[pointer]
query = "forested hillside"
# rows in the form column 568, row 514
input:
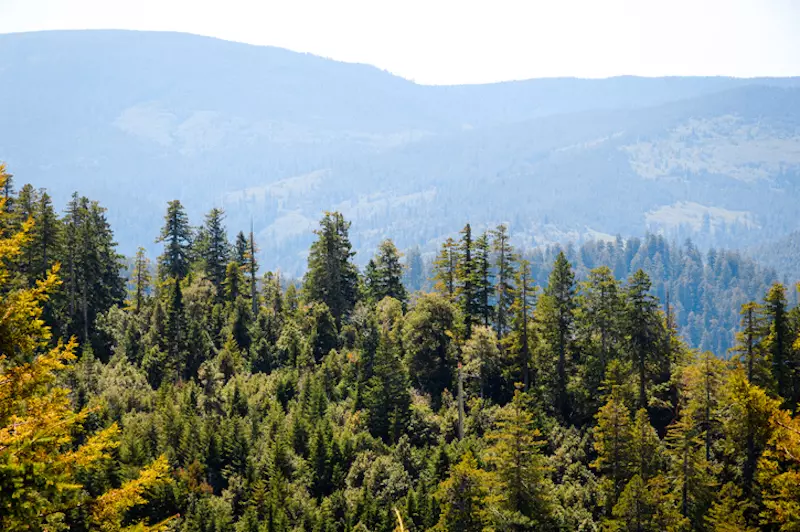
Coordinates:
column 203, row 393
column 276, row 138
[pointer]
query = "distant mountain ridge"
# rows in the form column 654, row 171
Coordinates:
column 135, row 119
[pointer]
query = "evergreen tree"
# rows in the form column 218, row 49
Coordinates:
column 214, row 249
column 613, row 443
column 504, row 289
column 141, row 280
column 463, row 498
column 47, row 237
column 177, row 236
column 482, row 361
column 556, row 314
column 240, row 248
column 252, row 270
column 93, row 265
column 483, row 282
column 642, row 325
column 42, row 460
column 384, row 274
column 386, row 398
column 746, row 425
column 519, row 468
column 414, row 277
column 444, row 269
column 602, row 304
column 332, row 278
column 778, row 343
column 749, row 344
column 522, row 335
column 466, row 289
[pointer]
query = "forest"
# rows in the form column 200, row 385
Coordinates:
column 514, row 390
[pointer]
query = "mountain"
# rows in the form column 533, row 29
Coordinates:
column 135, row 119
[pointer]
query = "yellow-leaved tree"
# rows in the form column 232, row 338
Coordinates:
column 39, row 459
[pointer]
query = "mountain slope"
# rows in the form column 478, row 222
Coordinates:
column 137, row 118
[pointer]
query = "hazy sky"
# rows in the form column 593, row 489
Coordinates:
column 466, row 41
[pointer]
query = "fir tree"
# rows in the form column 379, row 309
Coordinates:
column 504, row 289
column 214, row 249
column 177, row 236
column 642, row 328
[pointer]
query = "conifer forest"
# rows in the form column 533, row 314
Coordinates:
column 629, row 385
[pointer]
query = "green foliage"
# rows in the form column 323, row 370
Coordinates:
column 332, row 278
column 583, row 409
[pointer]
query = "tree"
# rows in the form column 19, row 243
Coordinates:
column 778, row 343
column 601, row 306
column 746, row 424
column 93, row 265
column 556, row 314
column 384, row 277
column 520, row 475
column 141, row 279
column 415, row 270
column 483, row 281
column 749, row 344
column 518, row 342
column 612, row 442
column 444, row 269
column 642, row 326
column 688, row 462
column 428, row 332
column 466, row 289
column 482, row 361
column 233, row 286
column 39, row 459
column 47, row 236
column 332, row 278
column 646, row 506
column 177, row 236
column 386, row 398
column 779, row 473
column 240, row 247
column 464, row 498
column 504, row 289
column 214, row 249
column 252, row 270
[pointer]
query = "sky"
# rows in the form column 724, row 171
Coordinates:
column 468, row 41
